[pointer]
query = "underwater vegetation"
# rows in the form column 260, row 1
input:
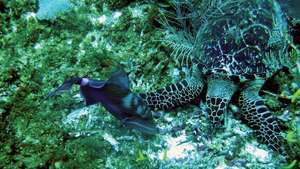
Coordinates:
column 40, row 50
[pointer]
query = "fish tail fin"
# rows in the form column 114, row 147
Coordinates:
column 142, row 125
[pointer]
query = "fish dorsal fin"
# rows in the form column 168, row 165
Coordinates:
column 119, row 78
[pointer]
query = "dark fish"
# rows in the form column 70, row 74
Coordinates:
column 115, row 95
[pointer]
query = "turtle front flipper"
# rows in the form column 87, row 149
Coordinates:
column 219, row 93
column 257, row 116
column 174, row 95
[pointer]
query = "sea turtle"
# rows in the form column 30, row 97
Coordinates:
column 235, row 46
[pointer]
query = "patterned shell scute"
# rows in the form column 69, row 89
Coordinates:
column 236, row 37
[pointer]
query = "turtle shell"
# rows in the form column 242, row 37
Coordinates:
column 242, row 38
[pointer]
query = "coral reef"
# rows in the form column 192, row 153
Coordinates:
column 90, row 40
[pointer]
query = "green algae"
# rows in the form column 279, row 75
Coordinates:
column 40, row 55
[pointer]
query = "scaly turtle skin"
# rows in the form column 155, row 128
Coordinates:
column 238, row 45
